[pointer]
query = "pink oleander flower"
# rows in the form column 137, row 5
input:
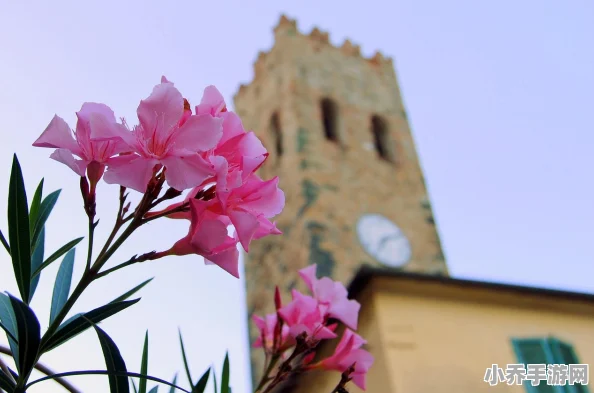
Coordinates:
column 248, row 207
column 208, row 237
column 267, row 326
column 332, row 297
column 92, row 117
column 302, row 314
column 349, row 352
column 167, row 135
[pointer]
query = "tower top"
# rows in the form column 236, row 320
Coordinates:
column 320, row 40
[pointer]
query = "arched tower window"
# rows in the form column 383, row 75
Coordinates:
column 277, row 137
column 381, row 138
column 330, row 119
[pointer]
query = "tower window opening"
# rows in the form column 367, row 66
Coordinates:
column 381, row 138
column 277, row 136
column 330, row 119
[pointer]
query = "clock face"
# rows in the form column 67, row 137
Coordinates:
column 383, row 240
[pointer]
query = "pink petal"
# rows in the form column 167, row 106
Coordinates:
column 130, row 171
column 199, row 133
column 232, row 127
column 212, row 102
column 65, row 157
column 209, row 234
column 185, row 172
column 58, row 135
column 227, row 260
column 308, row 275
column 161, row 111
column 246, row 225
column 359, row 379
column 346, row 311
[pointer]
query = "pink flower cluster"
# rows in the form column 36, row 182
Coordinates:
column 206, row 151
column 312, row 316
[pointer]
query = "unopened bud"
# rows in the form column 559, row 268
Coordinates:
column 277, row 298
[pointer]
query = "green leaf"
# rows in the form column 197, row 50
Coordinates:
column 144, row 365
column 9, row 323
column 28, row 334
column 131, row 291
column 154, row 390
column 61, row 251
column 103, row 372
column 6, row 383
column 172, row 389
column 133, row 385
column 35, row 204
column 18, row 229
column 214, row 379
column 80, row 322
column 4, row 242
column 113, row 362
column 36, row 262
column 185, row 359
column 225, row 375
column 201, row 385
column 47, row 205
column 62, row 284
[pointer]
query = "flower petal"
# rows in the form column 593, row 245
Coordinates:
column 65, row 157
column 59, row 136
column 198, row 134
column 227, row 260
column 130, row 171
column 161, row 111
column 246, row 226
column 212, row 102
column 185, row 172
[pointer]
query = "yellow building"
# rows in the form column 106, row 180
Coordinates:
column 340, row 142
column 440, row 335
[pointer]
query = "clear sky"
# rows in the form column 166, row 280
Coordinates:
column 499, row 94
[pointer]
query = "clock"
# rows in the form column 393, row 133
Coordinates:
column 383, row 240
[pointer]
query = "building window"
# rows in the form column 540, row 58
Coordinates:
column 549, row 351
column 381, row 138
column 277, row 136
column 330, row 119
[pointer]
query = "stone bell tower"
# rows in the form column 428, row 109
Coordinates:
column 338, row 136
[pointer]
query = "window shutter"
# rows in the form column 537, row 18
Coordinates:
column 534, row 351
column 564, row 354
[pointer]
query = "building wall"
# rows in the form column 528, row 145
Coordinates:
column 329, row 185
column 434, row 338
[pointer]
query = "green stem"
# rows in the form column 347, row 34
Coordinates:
column 104, row 273
column 265, row 377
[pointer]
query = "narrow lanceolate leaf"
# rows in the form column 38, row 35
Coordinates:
column 144, row 365
column 36, row 261
column 172, row 389
column 35, row 203
column 4, row 242
column 225, row 375
column 46, row 207
column 9, row 322
column 6, row 382
column 113, row 362
column 133, row 385
column 201, row 385
column 62, row 284
column 131, row 291
column 154, row 390
column 80, row 322
column 54, row 257
column 102, row 372
column 18, row 229
column 29, row 335
column 185, row 359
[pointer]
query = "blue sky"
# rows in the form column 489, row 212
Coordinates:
column 499, row 95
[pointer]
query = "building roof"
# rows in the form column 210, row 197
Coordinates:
column 367, row 273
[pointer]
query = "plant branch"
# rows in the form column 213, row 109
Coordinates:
column 43, row 369
column 91, row 239
column 181, row 208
